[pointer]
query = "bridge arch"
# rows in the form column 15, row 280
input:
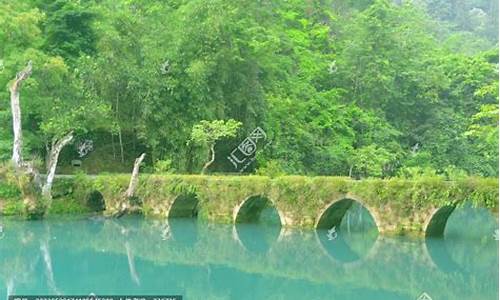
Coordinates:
column 184, row 206
column 436, row 222
column 252, row 237
column 95, row 201
column 449, row 226
column 345, row 247
column 251, row 208
column 333, row 213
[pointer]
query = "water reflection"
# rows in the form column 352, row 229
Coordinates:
column 354, row 230
column 258, row 225
column 131, row 264
column 437, row 249
column 349, row 247
column 255, row 237
column 47, row 259
column 184, row 232
column 204, row 261
column 468, row 233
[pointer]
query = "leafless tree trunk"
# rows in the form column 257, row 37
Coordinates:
column 113, row 145
column 135, row 176
column 119, row 127
column 121, row 144
column 17, row 147
column 134, row 179
column 212, row 159
column 57, row 146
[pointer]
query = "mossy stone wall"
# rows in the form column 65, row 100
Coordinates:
column 397, row 205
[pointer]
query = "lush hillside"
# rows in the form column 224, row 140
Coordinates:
column 359, row 88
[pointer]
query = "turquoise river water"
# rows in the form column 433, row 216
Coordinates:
column 136, row 256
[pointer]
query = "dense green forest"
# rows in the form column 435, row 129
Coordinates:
column 349, row 87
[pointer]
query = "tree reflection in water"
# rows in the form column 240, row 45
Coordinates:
column 204, row 261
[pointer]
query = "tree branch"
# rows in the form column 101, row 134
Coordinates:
column 212, row 158
column 57, row 146
column 22, row 75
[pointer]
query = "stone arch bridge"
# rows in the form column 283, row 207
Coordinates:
column 398, row 206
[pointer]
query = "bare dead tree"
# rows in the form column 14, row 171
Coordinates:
column 55, row 150
column 135, row 177
column 134, row 180
column 15, row 88
column 17, row 147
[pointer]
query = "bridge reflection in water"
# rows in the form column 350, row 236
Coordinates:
column 205, row 261
column 355, row 231
column 257, row 224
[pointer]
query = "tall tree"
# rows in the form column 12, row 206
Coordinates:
column 208, row 133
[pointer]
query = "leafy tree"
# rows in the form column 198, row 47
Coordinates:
column 20, row 40
column 68, row 29
column 209, row 132
column 402, row 84
column 369, row 161
column 62, row 110
column 483, row 131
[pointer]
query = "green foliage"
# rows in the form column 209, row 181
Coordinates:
column 63, row 206
column 369, row 161
column 485, row 124
column 366, row 88
column 417, row 172
column 476, row 19
column 209, row 132
column 9, row 191
column 454, row 173
column 272, row 168
column 68, row 28
column 13, row 208
column 164, row 166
